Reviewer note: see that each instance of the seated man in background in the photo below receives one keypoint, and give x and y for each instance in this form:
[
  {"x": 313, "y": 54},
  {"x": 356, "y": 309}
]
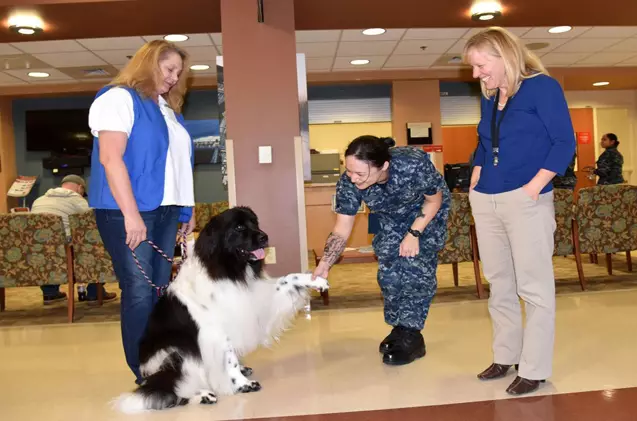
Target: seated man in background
[{"x": 68, "y": 199}]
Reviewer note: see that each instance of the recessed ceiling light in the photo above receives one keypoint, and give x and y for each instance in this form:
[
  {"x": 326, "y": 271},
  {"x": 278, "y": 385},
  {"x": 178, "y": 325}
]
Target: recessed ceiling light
[
  {"x": 560, "y": 29},
  {"x": 359, "y": 62},
  {"x": 486, "y": 10},
  {"x": 374, "y": 31},
  {"x": 601, "y": 83},
  {"x": 199, "y": 67},
  {"x": 25, "y": 24},
  {"x": 38, "y": 74},
  {"x": 176, "y": 38}
]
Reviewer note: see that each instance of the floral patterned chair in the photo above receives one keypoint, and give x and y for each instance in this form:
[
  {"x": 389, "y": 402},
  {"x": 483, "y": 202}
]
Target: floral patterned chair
[
  {"x": 565, "y": 230},
  {"x": 34, "y": 252},
  {"x": 607, "y": 221},
  {"x": 461, "y": 245},
  {"x": 91, "y": 261},
  {"x": 205, "y": 211}
]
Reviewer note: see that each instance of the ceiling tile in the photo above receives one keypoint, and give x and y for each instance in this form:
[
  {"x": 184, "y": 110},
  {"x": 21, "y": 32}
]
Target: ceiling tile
[
  {"x": 115, "y": 57},
  {"x": 357, "y": 35},
  {"x": 586, "y": 45},
  {"x": 322, "y": 64},
  {"x": 8, "y": 50},
  {"x": 405, "y": 61},
  {"x": 22, "y": 61},
  {"x": 625, "y": 46},
  {"x": 208, "y": 53},
  {"x": 41, "y": 47},
  {"x": 543, "y": 32},
  {"x": 90, "y": 73},
  {"x": 518, "y": 31},
  {"x": 216, "y": 38},
  {"x": 629, "y": 62},
  {"x": 194, "y": 40},
  {"x": 23, "y": 74},
  {"x": 220, "y": 49},
  {"x": 317, "y": 36},
  {"x": 610, "y": 32},
  {"x": 317, "y": 49},
  {"x": 457, "y": 47},
  {"x": 120, "y": 43},
  {"x": 433, "y": 46},
  {"x": 562, "y": 59},
  {"x": 84, "y": 58},
  {"x": 343, "y": 63},
  {"x": 435, "y": 33},
  {"x": 372, "y": 48},
  {"x": 553, "y": 43},
  {"x": 606, "y": 59},
  {"x": 6, "y": 79}
]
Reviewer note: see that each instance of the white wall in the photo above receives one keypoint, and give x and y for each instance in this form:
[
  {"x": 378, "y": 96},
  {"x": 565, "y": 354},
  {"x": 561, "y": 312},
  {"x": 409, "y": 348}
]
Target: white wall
[{"x": 615, "y": 111}]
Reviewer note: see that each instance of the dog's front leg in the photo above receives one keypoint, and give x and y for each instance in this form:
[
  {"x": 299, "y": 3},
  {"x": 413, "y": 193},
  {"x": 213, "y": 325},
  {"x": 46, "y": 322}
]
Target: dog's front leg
[
  {"x": 303, "y": 281},
  {"x": 237, "y": 372}
]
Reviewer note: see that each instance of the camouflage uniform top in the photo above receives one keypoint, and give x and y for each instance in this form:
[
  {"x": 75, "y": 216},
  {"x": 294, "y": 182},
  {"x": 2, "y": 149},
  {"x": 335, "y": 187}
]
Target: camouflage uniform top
[
  {"x": 609, "y": 167},
  {"x": 399, "y": 201}
]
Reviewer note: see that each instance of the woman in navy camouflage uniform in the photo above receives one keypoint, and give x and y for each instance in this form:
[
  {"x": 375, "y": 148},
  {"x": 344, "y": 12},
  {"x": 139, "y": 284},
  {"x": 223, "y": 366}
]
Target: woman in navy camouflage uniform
[{"x": 403, "y": 188}]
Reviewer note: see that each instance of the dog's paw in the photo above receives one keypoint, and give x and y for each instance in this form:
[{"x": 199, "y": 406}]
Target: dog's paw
[
  {"x": 320, "y": 284},
  {"x": 246, "y": 371},
  {"x": 206, "y": 397},
  {"x": 252, "y": 386}
]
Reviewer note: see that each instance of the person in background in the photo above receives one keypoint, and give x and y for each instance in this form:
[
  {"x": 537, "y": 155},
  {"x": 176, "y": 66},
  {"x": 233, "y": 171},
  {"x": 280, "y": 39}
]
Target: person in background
[
  {"x": 526, "y": 138},
  {"x": 142, "y": 178},
  {"x": 409, "y": 196},
  {"x": 610, "y": 163},
  {"x": 68, "y": 199}
]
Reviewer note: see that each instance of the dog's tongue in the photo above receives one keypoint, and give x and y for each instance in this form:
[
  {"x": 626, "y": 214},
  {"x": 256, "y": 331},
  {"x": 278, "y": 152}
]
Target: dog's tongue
[{"x": 259, "y": 254}]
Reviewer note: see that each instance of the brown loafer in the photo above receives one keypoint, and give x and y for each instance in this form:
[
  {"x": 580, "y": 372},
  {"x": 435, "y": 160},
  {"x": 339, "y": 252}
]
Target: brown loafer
[
  {"x": 495, "y": 371},
  {"x": 522, "y": 386}
]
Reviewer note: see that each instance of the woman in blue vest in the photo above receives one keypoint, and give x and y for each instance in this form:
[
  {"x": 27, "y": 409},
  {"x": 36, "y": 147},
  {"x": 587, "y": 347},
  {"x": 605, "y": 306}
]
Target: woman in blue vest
[{"x": 141, "y": 184}]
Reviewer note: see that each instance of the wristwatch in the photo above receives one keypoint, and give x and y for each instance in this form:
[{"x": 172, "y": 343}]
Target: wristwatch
[{"x": 414, "y": 232}]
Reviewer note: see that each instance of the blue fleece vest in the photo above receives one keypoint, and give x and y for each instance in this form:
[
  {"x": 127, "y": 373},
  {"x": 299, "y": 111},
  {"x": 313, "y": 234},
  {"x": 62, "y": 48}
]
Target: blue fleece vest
[{"x": 144, "y": 157}]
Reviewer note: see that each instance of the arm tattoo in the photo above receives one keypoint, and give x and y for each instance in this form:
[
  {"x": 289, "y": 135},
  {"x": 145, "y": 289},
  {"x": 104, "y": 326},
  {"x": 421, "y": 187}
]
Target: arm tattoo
[{"x": 334, "y": 247}]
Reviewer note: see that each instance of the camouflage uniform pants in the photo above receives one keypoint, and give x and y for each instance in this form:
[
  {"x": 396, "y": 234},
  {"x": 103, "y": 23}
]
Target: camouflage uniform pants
[{"x": 408, "y": 285}]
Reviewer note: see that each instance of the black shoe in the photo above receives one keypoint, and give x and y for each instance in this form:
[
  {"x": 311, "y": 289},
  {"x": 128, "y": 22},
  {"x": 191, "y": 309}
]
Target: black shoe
[
  {"x": 388, "y": 342},
  {"x": 60, "y": 296},
  {"x": 409, "y": 346}
]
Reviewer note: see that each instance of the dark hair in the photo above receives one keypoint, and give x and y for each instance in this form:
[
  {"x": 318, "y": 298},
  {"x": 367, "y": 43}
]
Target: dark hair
[
  {"x": 372, "y": 149},
  {"x": 613, "y": 137}
]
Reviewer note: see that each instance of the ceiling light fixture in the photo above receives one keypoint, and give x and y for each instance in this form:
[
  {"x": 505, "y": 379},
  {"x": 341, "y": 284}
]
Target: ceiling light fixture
[
  {"x": 560, "y": 29},
  {"x": 197, "y": 67},
  {"x": 486, "y": 10},
  {"x": 38, "y": 74},
  {"x": 26, "y": 24},
  {"x": 176, "y": 38},
  {"x": 374, "y": 31},
  {"x": 601, "y": 83},
  {"x": 359, "y": 62}
]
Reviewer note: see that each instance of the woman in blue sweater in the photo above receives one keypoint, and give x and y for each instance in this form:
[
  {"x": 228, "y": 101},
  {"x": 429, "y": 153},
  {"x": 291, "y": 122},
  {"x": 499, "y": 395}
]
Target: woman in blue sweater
[
  {"x": 526, "y": 138},
  {"x": 141, "y": 178}
]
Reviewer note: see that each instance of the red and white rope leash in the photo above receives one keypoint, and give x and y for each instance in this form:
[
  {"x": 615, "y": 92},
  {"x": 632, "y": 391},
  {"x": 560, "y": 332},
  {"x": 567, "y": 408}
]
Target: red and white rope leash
[{"x": 182, "y": 243}]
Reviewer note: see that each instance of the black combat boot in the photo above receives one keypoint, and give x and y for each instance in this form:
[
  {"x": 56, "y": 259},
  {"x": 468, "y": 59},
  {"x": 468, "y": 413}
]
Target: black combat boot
[{"x": 406, "y": 347}]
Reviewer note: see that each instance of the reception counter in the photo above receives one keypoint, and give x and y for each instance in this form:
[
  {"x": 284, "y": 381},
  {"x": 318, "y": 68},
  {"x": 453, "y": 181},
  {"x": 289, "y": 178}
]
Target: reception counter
[{"x": 321, "y": 219}]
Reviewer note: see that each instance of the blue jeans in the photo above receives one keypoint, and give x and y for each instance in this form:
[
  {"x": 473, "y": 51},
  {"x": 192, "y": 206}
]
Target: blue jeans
[{"x": 138, "y": 298}]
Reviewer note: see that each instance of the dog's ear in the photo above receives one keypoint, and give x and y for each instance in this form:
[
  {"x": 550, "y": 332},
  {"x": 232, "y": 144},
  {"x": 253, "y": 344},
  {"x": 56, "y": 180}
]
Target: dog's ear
[{"x": 208, "y": 240}]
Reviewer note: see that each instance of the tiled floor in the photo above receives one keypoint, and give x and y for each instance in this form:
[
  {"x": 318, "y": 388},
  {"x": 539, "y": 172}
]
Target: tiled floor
[{"x": 330, "y": 364}]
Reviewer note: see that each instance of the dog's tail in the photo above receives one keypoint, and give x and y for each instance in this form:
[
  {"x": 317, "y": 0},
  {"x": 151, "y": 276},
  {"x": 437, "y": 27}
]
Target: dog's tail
[{"x": 157, "y": 391}]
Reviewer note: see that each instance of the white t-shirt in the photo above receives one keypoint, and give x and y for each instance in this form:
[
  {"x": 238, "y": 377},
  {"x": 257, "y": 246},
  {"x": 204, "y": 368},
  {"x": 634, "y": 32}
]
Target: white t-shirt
[{"x": 113, "y": 111}]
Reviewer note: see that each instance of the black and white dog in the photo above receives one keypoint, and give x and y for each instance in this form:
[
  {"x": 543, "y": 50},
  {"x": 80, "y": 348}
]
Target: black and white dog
[{"x": 220, "y": 307}]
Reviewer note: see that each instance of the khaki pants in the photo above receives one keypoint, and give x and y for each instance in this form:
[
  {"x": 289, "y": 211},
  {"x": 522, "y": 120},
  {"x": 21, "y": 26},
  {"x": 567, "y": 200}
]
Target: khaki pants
[{"x": 515, "y": 238}]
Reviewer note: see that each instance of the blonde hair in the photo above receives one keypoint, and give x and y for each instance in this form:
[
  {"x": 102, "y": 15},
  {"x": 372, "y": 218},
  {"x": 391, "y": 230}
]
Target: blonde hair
[
  {"x": 143, "y": 74},
  {"x": 519, "y": 62}
]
